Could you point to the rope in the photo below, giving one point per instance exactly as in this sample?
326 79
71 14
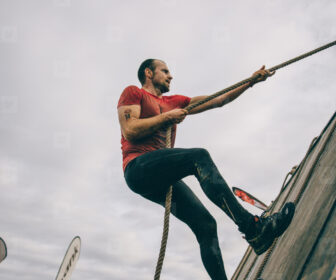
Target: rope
289 173
164 235
294 169
166 219
189 108
253 79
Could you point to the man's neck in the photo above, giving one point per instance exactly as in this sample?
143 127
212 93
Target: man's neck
151 89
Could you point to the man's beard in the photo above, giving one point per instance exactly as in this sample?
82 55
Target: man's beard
162 87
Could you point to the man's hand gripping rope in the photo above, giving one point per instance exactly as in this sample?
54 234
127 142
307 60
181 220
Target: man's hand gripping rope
261 75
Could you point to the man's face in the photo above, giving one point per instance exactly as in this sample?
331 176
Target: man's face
161 76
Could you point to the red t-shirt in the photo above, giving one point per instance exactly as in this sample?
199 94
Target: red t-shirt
151 105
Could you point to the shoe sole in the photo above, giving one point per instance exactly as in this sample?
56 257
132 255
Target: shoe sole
288 211
264 248
268 238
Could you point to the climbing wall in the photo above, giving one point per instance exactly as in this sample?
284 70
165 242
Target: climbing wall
307 250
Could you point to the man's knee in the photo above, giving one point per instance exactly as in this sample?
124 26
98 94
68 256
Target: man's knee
207 229
201 153
211 225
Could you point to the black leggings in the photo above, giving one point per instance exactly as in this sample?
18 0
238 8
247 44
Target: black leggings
151 174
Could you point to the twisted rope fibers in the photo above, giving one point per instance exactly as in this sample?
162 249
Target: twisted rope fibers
166 219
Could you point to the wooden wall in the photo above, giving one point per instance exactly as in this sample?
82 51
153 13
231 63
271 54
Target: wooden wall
307 250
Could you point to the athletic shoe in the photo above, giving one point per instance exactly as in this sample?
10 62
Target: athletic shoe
267 228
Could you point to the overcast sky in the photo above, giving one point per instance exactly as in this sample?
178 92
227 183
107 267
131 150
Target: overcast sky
63 65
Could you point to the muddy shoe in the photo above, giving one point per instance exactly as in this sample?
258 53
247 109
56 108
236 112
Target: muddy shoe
268 228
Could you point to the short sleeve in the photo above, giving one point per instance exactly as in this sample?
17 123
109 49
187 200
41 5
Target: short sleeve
130 96
181 101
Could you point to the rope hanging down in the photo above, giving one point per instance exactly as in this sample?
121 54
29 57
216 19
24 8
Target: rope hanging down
166 219
189 108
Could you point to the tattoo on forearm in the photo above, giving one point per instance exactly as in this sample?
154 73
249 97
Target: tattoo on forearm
128 114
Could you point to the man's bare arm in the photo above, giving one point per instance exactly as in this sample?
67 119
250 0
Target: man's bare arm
229 96
134 128
218 101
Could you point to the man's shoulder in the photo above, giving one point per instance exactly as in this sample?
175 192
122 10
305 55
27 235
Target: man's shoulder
132 88
131 95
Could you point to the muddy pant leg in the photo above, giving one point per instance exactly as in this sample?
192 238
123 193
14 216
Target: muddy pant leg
159 169
218 191
189 209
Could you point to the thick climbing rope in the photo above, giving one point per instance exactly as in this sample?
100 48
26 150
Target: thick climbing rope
294 169
189 108
253 79
166 218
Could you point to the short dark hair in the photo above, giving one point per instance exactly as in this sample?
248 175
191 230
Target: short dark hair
148 63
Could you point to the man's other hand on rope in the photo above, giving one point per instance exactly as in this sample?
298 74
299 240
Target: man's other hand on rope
176 115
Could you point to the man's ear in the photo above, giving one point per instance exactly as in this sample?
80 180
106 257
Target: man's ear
149 73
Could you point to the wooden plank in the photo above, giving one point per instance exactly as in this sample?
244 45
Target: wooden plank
322 263
245 264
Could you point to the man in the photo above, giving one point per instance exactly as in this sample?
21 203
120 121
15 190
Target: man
150 168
